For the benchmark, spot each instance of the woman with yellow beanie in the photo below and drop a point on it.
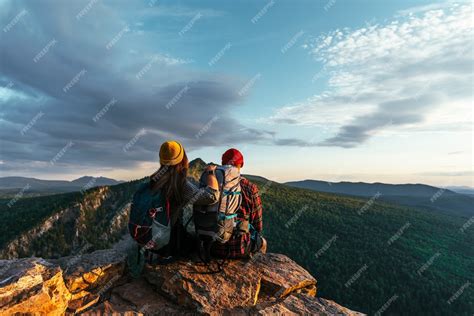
(157, 207)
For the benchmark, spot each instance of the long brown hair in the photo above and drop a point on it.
(171, 181)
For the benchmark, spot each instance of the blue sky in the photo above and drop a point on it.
(333, 90)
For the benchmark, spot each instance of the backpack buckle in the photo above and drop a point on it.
(152, 212)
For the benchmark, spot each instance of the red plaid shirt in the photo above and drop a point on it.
(251, 209)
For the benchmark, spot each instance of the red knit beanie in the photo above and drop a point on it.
(233, 157)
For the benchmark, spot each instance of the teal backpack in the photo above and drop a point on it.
(146, 210)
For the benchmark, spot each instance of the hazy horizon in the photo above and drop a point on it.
(322, 177)
(336, 91)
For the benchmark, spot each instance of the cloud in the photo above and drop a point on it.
(293, 142)
(413, 72)
(463, 173)
(457, 152)
(89, 90)
(181, 11)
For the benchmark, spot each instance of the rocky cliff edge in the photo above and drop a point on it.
(98, 284)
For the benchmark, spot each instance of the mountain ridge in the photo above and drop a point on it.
(11, 186)
(416, 195)
(428, 189)
(18, 181)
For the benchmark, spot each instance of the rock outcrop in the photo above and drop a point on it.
(261, 281)
(32, 285)
(72, 228)
(98, 284)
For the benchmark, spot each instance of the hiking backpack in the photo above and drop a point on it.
(148, 210)
(216, 222)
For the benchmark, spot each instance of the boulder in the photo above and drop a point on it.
(32, 285)
(52, 287)
(137, 297)
(300, 304)
(89, 276)
(239, 288)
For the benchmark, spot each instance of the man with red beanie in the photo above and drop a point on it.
(247, 237)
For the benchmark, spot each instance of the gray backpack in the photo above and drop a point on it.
(215, 223)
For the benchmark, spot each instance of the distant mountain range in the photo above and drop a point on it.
(462, 190)
(32, 186)
(456, 200)
(418, 195)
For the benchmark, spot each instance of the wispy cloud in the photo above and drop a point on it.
(181, 11)
(462, 173)
(414, 71)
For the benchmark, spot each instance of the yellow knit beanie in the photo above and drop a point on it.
(171, 153)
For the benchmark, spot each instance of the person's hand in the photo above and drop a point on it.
(150, 245)
(211, 179)
(211, 167)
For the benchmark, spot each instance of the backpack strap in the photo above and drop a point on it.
(224, 216)
(227, 192)
(222, 188)
(168, 209)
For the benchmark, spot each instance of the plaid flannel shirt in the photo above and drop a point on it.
(251, 208)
